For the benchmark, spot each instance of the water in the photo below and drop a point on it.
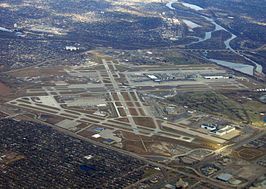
(191, 24)
(169, 4)
(258, 66)
(5, 29)
(243, 68)
(191, 6)
(188, 5)
(208, 35)
(227, 43)
(218, 27)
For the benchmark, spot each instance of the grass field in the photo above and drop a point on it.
(212, 103)
(144, 121)
(251, 103)
(248, 153)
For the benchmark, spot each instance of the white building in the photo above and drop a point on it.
(71, 48)
(210, 127)
(216, 77)
(225, 130)
(152, 77)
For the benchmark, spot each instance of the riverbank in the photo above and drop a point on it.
(246, 69)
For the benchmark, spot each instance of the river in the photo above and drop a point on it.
(244, 68)
(5, 29)
(188, 5)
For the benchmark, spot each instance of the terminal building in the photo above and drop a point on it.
(210, 127)
(225, 130)
(218, 130)
(154, 78)
(216, 77)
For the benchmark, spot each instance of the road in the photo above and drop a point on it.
(197, 175)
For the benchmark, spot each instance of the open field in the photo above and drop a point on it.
(4, 90)
(212, 103)
(248, 154)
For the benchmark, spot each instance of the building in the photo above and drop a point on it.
(154, 78)
(225, 130)
(225, 177)
(71, 48)
(170, 110)
(100, 113)
(210, 127)
(216, 77)
(108, 141)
